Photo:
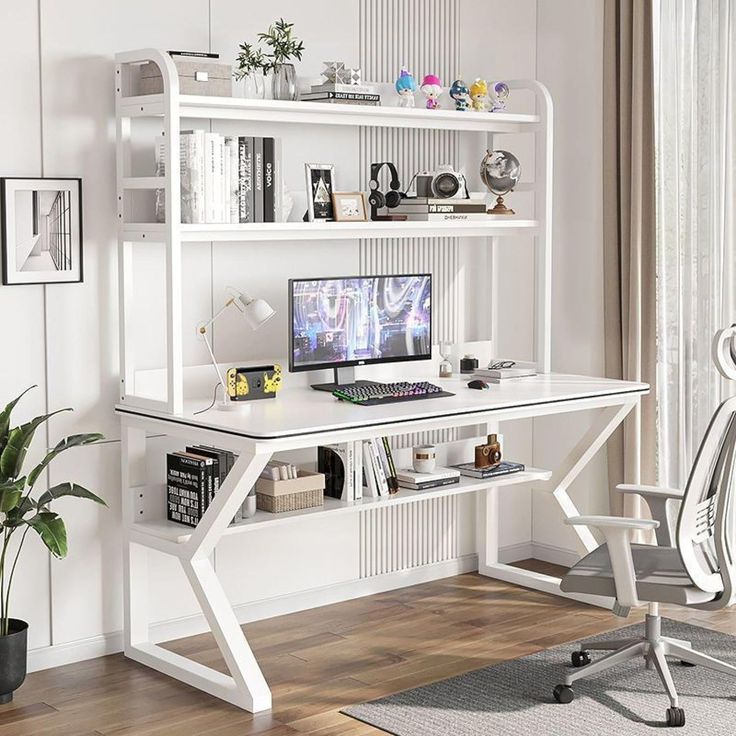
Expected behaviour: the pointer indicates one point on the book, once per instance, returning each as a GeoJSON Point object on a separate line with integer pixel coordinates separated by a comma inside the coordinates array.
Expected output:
{"type": "Point", "coordinates": [225, 194]}
{"type": "Point", "coordinates": [503, 468]}
{"type": "Point", "coordinates": [187, 477]}
{"type": "Point", "coordinates": [159, 154]}
{"type": "Point", "coordinates": [258, 180]}
{"type": "Point", "coordinates": [195, 54]}
{"type": "Point", "coordinates": [387, 460]}
{"type": "Point", "coordinates": [208, 491]}
{"type": "Point", "coordinates": [358, 470]}
{"type": "Point", "coordinates": [369, 89]}
{"type": "Point", "coordinates": [245, 178]}
{"type": "Point", "coordinates": [409, 475]}
{"type": "Point", "coordinates": [337, 463]}
{"type": "Point", "coordinates": [456, 206]}
{"type": "Point", "coordinates": [211, 210]}
{"type": "Point", "coordinates": [429, 484]}
{"type": "Point", "coordinates": [520, 370]}
{"type": "Point", "coordinates": [332, 101]}
{"type": "Point", "coordinates": [231, 143]}
{"type": "Point", "coordinates": [269, 180]}
{"type": "Point", "coordinates": [326, 95]}
{"type": "Point", "coordinates": [372, 489]}
{"type": "Point", "coordinates": [445, 217]}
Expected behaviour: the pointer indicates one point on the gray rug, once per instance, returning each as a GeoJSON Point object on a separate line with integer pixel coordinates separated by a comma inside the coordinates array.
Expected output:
{"type": "Point", "coordinates": [515, 697]}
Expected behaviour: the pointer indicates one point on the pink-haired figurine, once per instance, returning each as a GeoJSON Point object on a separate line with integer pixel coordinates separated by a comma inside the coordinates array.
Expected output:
{"type": "Point", "coordinates": [432, 89]}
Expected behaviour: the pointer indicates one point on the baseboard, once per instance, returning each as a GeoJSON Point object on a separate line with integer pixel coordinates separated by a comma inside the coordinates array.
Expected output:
{"type": "Point", "coordinates": [534, 550]}
{"type": "Point", "coordinates": [99, 646]}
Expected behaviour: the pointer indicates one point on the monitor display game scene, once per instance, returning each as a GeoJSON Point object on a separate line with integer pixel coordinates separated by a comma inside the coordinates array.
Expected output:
{"type": "Point", "coordinates": [362, 319]}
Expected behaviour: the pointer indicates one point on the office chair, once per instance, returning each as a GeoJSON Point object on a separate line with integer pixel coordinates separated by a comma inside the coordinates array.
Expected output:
{"type": "Point", "coordinates": [691, 565]}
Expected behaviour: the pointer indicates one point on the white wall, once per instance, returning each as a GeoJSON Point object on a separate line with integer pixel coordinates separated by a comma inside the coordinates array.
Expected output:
{"type": "Point", "coordinates": [59, 120]}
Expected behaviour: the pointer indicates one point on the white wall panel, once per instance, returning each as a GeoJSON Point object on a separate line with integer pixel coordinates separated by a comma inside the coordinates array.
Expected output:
{"type": "Point", "coordinates": [22, 313]}
{"type": "Point", "coordinates": [570, 64]}
{"type": "Point", "coordinates": [86, 585]}
{"type": "Point", "coordinates": [79, 39]}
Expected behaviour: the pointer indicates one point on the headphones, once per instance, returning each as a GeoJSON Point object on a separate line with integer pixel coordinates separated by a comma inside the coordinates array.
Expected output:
{"type": "Point", "coordinates": [377, 198]}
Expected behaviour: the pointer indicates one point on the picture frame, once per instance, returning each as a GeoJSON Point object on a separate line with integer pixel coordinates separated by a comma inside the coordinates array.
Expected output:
{"type": "Point", "coordinates": [349, 207]}
{"type": "Point", "coordinates": [320, 180]}
{"type": "Point", "coordinates": [41, 230]}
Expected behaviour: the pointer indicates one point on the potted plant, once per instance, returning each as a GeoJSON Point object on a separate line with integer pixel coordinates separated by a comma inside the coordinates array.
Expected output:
{"type": "Point", "coordinates": [251, 67]}
{"type": "Point", "coordinates": [283, 46]}
{"type": "Point", "coordinates": [23, 510]}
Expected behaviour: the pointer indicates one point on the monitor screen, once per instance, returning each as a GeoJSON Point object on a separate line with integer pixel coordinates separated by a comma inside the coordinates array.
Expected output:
{"type": "Point", "coordinates": [360, 320]}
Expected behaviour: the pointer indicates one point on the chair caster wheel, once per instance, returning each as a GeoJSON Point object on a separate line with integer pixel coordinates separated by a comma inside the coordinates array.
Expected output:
{"type": "Point", "coordinates": [563, 694]}
{"type": "Point", "coordinates": [675, 717]}
{"type": "Point", "coordinates": [580, 659]}
{"type": "Point", "coordinates": [687, 664]}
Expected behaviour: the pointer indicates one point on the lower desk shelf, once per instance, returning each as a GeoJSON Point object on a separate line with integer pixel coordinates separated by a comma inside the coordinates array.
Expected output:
{"type": "Point", "coordinates": [178, 533]}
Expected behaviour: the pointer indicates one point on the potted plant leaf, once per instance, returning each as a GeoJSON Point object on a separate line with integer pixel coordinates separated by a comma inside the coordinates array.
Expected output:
{"type": "Point", "coordinates": [251, 66]}
{"type": "Point", "coordinates": [22, 510]}
{"type": "Point", "coordinates": [283, 46]}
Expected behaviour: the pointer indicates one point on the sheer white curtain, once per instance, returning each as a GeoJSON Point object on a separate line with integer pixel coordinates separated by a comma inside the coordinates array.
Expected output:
{"type": "Point", "coordinates": [695, 90]}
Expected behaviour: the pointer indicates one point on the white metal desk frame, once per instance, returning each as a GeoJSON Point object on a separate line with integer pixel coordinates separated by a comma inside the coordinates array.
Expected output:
{"type": "Point", "coordinates": [246, 687]}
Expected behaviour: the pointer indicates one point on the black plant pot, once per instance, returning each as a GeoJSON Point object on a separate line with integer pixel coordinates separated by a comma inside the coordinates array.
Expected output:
{"type": "Point", "coordinates": [13, 657]}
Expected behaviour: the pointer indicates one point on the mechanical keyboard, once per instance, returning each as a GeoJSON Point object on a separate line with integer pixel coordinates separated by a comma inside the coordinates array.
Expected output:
{"type": "Point", "coordinates": [389, 393]}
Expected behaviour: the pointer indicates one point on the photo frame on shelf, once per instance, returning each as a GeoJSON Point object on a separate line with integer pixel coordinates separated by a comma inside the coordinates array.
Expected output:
{"type": "Point", "coordinates": [320, 186]}
{"type": "Point", "coordinates": [41, 230]}
{"type": "Point", "coordinates": [349, 207]}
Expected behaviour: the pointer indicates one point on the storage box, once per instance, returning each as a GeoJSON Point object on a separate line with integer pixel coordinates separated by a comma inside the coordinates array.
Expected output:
{"type": "Point", "coordinates": [304, 492]}
{"type": "Point", "coordinates": [196, 77]}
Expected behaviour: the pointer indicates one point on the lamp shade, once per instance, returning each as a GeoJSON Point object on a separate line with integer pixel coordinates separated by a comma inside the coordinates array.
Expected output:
{"type": "Point", "coordinates": [256, 311]}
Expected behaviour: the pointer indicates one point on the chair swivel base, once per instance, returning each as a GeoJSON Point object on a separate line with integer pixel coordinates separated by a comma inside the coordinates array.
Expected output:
{"type": "Point", "coordinates": [654, 648]}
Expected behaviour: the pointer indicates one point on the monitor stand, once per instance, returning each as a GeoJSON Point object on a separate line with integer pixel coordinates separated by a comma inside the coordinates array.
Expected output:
{"type": "Point", "coordinates": [342, 377]}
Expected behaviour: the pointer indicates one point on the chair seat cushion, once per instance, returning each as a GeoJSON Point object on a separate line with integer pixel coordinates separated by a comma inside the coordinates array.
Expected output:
{"type": "Point", "coordinates": [660, 575]}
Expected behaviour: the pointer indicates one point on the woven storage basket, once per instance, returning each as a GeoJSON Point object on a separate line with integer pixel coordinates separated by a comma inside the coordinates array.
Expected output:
{"type": "Point", "coordinates": [304, 492]}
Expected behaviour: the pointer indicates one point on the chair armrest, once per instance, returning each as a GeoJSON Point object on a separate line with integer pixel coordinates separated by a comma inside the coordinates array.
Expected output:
{"type": "Point", "coordinates": [613, 522]}
{"type": "Point", "coordinates": [650, 491]}
{"type": "Point", "coordinates": [617, 532]}
{"type": "Point", "coordinates": [658, 501]}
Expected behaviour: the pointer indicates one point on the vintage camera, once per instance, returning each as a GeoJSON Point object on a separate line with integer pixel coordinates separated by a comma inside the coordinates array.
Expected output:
{"type": "Point", "coordinates": [488, 455]}
{"type": "Point", "coordinates": [445, 183]}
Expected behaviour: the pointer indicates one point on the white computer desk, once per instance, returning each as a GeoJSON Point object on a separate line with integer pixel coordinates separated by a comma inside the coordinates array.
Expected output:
{"type": "Point", "coordinates": [302, 418]}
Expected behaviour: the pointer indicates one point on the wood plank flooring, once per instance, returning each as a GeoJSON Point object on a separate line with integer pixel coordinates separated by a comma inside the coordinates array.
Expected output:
{"type": "Point", "coordinates": [319, 661]}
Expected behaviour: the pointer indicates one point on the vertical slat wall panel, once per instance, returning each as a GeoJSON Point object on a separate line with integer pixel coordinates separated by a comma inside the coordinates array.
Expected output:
{"type": "Point", "coordinates": [423, 35]}
{"type": "Point", "coordinates": [408, 535]}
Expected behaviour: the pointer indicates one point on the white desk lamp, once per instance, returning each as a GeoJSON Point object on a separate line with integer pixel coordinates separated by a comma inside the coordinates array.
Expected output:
{"type": "Point", "coordinates": [256, 312]}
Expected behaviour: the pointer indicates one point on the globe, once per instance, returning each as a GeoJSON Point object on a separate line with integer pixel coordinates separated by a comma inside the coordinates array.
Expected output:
{"type": "Point", "coordinates": [500, 171]}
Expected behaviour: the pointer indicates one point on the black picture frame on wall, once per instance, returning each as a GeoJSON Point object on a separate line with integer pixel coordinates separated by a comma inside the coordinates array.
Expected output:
{"type": "Point", "coordinates": [41, 230]}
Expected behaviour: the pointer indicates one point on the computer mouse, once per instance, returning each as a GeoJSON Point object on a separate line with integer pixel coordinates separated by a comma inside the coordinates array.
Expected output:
{"type": "Point", "coordinates": [477, 383]}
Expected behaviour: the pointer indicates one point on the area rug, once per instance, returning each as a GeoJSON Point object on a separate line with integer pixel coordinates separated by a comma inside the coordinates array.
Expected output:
{"type": "Point", "coordinates": [514, 698]}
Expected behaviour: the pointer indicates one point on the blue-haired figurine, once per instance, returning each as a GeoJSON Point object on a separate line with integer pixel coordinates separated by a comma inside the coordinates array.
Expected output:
{"type": "Point", "coordinates": [406, 86]}
{"type": "Point", "coordinates": [461, 94]}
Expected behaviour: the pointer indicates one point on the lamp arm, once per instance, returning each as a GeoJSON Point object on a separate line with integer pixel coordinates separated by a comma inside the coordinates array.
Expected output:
{"type": "Point", "coordinates": [203, 327]}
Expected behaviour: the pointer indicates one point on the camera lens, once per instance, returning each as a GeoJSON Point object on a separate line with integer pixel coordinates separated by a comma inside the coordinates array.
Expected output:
{"type": "Point", "coordinates": [446, 185]}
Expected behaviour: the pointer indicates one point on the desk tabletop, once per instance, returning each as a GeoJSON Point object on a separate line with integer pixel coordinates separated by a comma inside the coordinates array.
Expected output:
{"type": "Point", "coordinates": [299, 411]}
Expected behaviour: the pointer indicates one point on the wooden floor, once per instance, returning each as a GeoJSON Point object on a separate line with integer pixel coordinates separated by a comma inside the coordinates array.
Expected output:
{"type": "Point", "coordinates": [317, 662]}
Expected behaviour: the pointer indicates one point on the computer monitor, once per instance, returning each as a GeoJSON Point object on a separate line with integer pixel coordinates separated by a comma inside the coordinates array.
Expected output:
{"type": "Point", "coordinates": [340, 323]}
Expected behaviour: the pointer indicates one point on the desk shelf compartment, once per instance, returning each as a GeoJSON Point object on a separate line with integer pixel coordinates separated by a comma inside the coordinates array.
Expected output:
{"type": "Point", "coordinates": [157, 526]}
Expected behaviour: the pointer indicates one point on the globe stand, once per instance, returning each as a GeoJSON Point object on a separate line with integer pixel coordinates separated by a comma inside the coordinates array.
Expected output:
{"type": "Point", "coordinates": [500, 208]}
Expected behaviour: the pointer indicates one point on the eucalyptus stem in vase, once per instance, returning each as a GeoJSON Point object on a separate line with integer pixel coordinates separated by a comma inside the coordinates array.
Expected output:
{"type": "Point", "coordinates": [284, 47]}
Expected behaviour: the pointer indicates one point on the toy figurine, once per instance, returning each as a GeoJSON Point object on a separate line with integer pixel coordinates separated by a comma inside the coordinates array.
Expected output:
{"type": "Point", "coordinates": [432, 89]}
{"type": "Point", "coordinates": [460, 93]}
{"type": "Point", "coordinates": [406, 86]}
{"type": "Point", "coordinates": [479, 95]}
{"type": "Point", "coordinates": [501, 92]}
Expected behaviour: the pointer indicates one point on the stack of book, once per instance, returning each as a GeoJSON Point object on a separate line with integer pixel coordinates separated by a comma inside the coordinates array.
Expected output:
{"type": "Point", "coordinates": [193, 477]}
{"type": "Point", "coordinates": [379, 468]}
{"type": "Point", "coordinates": [501, 375]}
{"type": "Point", "coordinates": [427, 209]}
{"type": "Point", "coordinates": [503, 468]}
{"type": "Point", "coordinates": [224, 179]}
{"type": "Point", "coordinates": [343, 94]}
{"type": "Point", "coordinates": [424, 481]}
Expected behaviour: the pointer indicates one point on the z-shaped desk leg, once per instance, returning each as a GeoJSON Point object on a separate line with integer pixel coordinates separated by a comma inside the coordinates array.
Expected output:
{"type": "Point", "coordinates": [562, 478]}
{"type": "Point", "coordinates": [246, 687]}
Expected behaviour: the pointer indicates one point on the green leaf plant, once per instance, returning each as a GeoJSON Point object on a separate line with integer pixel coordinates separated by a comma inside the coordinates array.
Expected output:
{"type": "Point", "coordinates": [20, 512]}
{"type": "Point", "coordinates": [282, 47]}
